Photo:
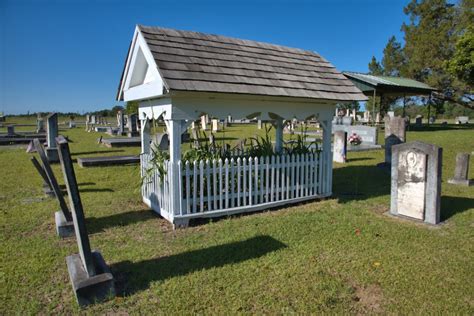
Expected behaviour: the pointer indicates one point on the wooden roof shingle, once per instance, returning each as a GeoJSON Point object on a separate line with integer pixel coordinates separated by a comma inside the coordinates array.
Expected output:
{"type": "Point", "coordinates": [192, 61]}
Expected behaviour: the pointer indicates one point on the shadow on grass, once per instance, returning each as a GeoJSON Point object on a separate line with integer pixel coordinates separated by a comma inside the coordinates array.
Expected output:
{"type": "Point", "coordinates": [98, 224]}
{"type": "Point", "coordinates": [96, 190]}
{"type": "Point", "coordinates": [133, 277]}
{"type": "Point", "coordinates": [440, 127]}
{"type": "Point", "coordinates": [452, 205]}
{"type": "Point", "coordinates": [360, 159]}
{"type": "Point", "coordinates": [97, 152]}
{"type": "Point", "coordinates": [359, 183]}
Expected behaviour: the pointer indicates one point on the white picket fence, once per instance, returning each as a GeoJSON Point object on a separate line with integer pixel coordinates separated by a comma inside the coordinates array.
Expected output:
{"type": "Point", "coordinates": [234, 185]}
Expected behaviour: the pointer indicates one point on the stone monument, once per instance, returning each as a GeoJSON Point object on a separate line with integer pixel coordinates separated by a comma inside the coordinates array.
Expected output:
{"type": "Point", "coordinates": [91, 278]}
{"type": "Point", "coordinates": [51, 134]}
{"type": "Point", "coordinates": [416, 181]}
{"type": "Point", "coordinates": [418, 121]}
{"type": "Point", "coordinates": [39, 124]}
{"type": "Point", "coordinates": [340, 147]}
{"type": "Point", "coordinates": [11, 130]}
{"type": "Point", "coordinates": [461, 171]}
{"type": "Point", "coordinates": [215, 125]}
{"type": "Point", "coordinates": [132, 126]}
{"type": "Point", "coordinates": [395, 133]}
{"type": "Point", "coordinates": [121, 123]}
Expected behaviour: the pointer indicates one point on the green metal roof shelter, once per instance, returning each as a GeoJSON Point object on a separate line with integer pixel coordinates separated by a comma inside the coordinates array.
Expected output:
{"type": "Point", "coordinates": [381, 86]}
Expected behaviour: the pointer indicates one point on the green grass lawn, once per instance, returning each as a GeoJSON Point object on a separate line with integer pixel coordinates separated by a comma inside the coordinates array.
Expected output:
{"type": "Point", "coordinates": [341, 255]}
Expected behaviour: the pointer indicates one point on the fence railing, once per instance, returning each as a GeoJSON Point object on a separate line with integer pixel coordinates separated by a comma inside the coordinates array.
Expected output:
{"type": "Point", "coordinates": [243, 182]}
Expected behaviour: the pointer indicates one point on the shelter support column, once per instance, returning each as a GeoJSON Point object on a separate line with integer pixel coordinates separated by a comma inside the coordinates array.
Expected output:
{"type": "Point", "coordinates": [327, 157]}
{"type": "Point", "coordinates": [175, 128]}
{"type": "Point", "coordinates": [279, 135]}
{"type": "Point", "coordinates": [145, 136]}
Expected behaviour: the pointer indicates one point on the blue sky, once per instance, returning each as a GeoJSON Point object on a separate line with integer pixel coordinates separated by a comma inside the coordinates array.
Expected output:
{"type": "Point", "coordinates": [68, 55]}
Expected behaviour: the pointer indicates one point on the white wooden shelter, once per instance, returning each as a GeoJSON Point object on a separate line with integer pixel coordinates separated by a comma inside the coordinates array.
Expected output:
{"type": "Point", "coordinates": [178, 76]}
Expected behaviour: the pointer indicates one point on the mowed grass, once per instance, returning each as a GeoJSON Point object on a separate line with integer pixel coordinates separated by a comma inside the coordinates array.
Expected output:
{"type": "Point", "coordinates": [341, 255]}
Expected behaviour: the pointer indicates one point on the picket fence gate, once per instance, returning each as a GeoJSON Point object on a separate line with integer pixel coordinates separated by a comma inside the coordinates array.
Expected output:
{"type": "Point", "coordinates": [236, 185]}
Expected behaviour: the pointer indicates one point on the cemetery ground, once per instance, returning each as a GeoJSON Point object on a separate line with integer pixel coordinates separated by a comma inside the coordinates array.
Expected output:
{"type": "Point", "coordinates": [342, 254]}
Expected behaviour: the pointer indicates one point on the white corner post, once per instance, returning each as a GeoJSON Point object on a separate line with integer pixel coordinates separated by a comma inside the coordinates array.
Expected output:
{"type": "Point", "coordinates": [327, 157]}
{"type": "Point", "coordinates": [145, 136]}
{"type": "Point", "coordinates": [175, 128]}
{"type": "Point", "coordinates": [279, 135]}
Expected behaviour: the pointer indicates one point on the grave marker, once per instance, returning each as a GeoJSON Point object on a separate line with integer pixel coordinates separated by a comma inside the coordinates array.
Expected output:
{"type": "Point", "coordinates": [90, 277]}
{"type": "Point", "coordinates": [51, 134]}
{"type": "Point", "coordinates": [418, 121]}
{"type": "Point", "coordinates": [132, 126]}
{"type": "Point", "coordinates": [462, 119]}
{"type": "Point", "coordinates": [215, 125]}
{"type": "Point", "coordinates": [461, 171]}
{"type": "Point", "coordinates": [416, 181]}
{"type": "Point", "coordinates": [11, 130]}
{"type": "Point", "coordinates": [395, 133]}
{"type": "Point", "coordinates": [121, 123]}
{"type": "Point", "coordinates": [340, 147]}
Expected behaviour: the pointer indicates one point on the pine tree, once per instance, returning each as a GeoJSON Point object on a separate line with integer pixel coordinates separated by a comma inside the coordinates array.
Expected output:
{"type": "Point", "coordinates": [393, 60]}
{"type": "Point", "coordinates": [375, 68]}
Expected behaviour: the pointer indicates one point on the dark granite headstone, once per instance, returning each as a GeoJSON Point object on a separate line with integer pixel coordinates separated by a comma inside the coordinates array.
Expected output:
{"type": "Point", "coordinates": [51, 134]}
{"type": "Point", "coordinates": [11, 130]}
{"type": "Point", "coordinates": [132, 126]}
{"type": "Point", "coordinates": [91, 279]}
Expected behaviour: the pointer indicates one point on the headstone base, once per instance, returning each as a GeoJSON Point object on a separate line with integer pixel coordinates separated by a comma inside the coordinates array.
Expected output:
{"type": "Point", "coordinates": [52, 154]}
{"type": "Point", "coordinates": [89, 290]}
{"type": "Point", "coordinates": [63, 228]}
{"type": "Point", "coordinates": [462, 182]}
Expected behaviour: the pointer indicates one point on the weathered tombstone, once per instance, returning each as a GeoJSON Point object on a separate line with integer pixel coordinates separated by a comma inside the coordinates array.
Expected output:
{"type": "Point", "coordinates": [121, 123]}
{"type": "Point", "coordinates": [88, 120]}
{"type": "Point", "coordinates": [432, 119]}
{"type": "Point", "coordinates": [462, 120]}
{"type": "Point", "coordinates": [204, 123]}
{"type": "Point", "coordinates": [215, 125]}
{"type": "Point", "coordinates": [377, 118]}
{"type": "Point", "coordinates": [63, 218]}
{"type": "Point", "coordinates": [195, 137]}
{"type": "Point", "coordinates": [340, 147]}
{"type": "Point", "coordinates": [418, 120]}
{"type": "Point", "coordinates": [132, 126]}
{"type": "Point", "coordinates": [368, 134]}
{"type": "Point", "coordinates": [39, 125]}
{"type": "Point", "coordinates": [11, 130]}
{"type": "Point", "coordinates": [229, 120]}
{"type": "Point", "coordinates": [93, 119]}
{"type": "Point", "coordinates": [461, 171]}
{"type": "Point", "coordinates": [72, 124]}
{"type": "Point", "coordinates": [259, 124]}
{"type": "Point", "coordinates": [347, 120]}
{"type": "Point", "coordinates": [161, 141]}
{"type": "Point", "coordinates": [91, 278]}
{"type": "Point", "coordinates": [395, 133]}
{"type": "Point", "coordinates": [391, 114]}
{"type": "Point", "coordinates": [354, 114]}
{"type": "Point", "coordinates": [416, 181]}
{"type": "Point", "coordinates": [51, 134]}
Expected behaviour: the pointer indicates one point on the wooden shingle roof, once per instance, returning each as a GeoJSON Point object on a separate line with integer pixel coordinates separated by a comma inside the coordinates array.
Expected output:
{"type": "Point", "coordinates": [192, 61]}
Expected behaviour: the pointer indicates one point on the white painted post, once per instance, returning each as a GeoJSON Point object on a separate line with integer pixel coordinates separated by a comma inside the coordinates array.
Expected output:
{"type": "Point", "coordinates": [279, 136]}
{"type": "Point", "coordinates": [327, 157]}
{"type": "Point", "coordinates": [174, 132]}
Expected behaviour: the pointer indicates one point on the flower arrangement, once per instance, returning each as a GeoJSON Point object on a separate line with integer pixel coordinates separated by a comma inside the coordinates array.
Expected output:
{"type": "Point", "coordinates": [355, 139]}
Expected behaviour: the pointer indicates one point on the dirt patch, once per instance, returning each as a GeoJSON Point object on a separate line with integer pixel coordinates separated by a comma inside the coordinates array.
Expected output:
{"type": "Point", "coordinates": [368, 298]}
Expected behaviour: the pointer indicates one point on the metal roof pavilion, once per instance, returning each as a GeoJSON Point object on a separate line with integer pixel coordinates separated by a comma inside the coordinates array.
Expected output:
{"type": "Point", "coordinates": [388, 86]}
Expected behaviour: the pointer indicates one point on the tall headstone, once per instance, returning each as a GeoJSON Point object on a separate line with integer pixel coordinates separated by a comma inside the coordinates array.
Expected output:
{"type": "Point", "coordinates": [354, 114]}
{"type": "Point", "coordinates": [204, 123]}
{"type": "Point", "coordinates": [395, 133]}
{"type": "Point", "coordinates": [121, 123]}
{"type": "Point", "coordinates": [215, 125]}
{"type": "Point", "coordinates": [51, 134]}
{"type": "Point", "coordinates": [11, 130]}
{"type": "Point", "coordinates": [39, 124]}
{"type": "Point", "coordinates": [91, 278]}
{"type": "Point", "coordinates": [377, 118]}
{"type": "Point", "coordinates": [416, 181]}
{"type": "Point", "coordinates": [259, 124]}
{"type": "Point", "coordinates": [88, 121]}
{"type": "Point", "coordinates": [461, 171]}
{"type": "Point", "coordinates": [340, 147]}
{"type": "Point", "coordinates": [132, 126]}
{"type": "Point", "coordinates": [161, 141]}
{"type": "Point", "coordinates": [418, 120]}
